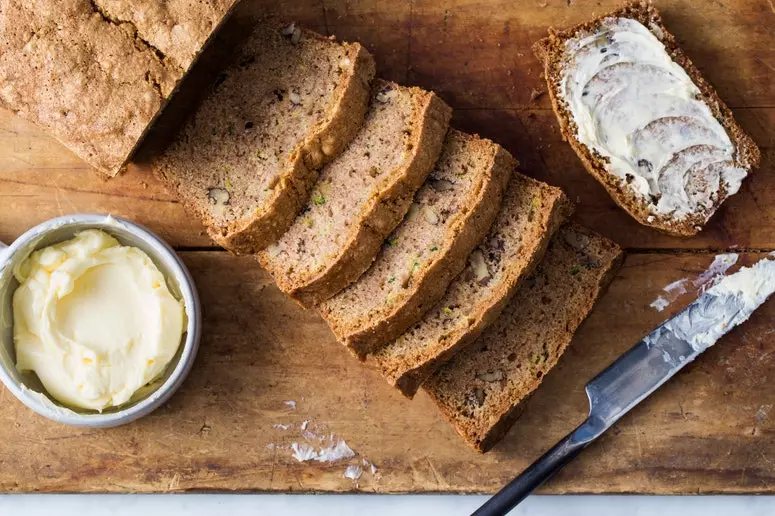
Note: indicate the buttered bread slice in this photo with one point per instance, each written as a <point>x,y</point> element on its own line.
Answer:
<point>481,391</point>
<point>361,196</point>
<point>290,101</point>
<point>531,213</point>
<point>643,120</point>
<point>449,216</point>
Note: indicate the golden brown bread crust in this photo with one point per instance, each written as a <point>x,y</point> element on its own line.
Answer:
<point>550,52</point>
<point>178,28</point>
<point>380,215</point>
<point>351,102</point>
<point>111,77</point>
<point>408,369</point>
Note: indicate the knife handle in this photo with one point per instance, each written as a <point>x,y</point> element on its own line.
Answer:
<point>539,472</point>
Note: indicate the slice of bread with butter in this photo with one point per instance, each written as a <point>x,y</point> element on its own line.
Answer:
<point>643,120</point>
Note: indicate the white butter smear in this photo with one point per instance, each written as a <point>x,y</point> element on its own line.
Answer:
<point>729,303</point>
<point>318,444</point>
<point>353,472</point>
<point>721,264</point>
<point>303,452</point>
<point>638,109</point>
<point>660,304</point>
<point>676,287</point>
<point>335,450</point>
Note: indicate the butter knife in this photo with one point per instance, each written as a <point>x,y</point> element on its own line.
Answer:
<point>645,367</point>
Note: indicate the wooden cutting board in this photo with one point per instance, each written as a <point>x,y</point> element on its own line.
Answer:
<point>266,367</point>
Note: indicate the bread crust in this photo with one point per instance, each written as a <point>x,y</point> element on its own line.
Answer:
<point>380,215</point>
<point>550,52</point>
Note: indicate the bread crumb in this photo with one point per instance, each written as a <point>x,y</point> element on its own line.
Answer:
<point>353,472</point>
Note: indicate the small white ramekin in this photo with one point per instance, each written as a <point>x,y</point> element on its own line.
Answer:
<point>27,387</point>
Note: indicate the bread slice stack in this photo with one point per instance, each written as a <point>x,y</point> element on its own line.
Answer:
<point>361,196</point>
<point>481,391</point>
<point>530,214</point>
<point>409,238</point>
<point>448,217</point>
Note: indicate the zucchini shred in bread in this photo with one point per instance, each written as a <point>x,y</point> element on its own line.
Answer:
<point>449,216</point>
<point>482,389</point>
<point>244,162</point>
<point>361,196</point>
<point>530,214</point>
<point>96,74</point>
<point>643,120</point>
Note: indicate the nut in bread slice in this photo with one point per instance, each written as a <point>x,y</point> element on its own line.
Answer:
<point>530,215</point>
<point>361,196</point>
<point>643,120</point>
<point>449,216</point>
<point>290,101</point>
<point>481,391</point>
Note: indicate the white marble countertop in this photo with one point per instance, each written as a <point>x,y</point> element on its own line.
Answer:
<point>376,505</point>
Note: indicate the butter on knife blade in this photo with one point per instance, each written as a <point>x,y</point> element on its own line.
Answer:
<point>645,367</point>
<point>727,304</point>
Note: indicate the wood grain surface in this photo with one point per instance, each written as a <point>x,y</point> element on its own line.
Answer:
<point>711,429</point>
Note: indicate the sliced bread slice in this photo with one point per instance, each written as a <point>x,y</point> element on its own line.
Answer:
<point>481,390</point>
<point>361,196</point>
<point>450,215</point>
<point>244,162</point>
<point>531,213</point>
<point>643,120</point>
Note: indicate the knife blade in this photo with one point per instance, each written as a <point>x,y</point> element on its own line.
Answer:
<point>644,368</point>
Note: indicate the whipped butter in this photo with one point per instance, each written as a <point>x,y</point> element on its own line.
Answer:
<point>635,106</point>
<point>725,305</point>
<point>94,320</point>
